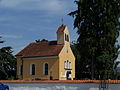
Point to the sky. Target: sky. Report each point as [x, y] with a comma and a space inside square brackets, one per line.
[24, 21]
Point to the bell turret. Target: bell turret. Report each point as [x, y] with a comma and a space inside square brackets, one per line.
[63, 35]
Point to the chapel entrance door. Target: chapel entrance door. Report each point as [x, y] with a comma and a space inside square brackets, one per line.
[68, 75]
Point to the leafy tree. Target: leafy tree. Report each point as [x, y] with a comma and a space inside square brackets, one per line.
[7, 63]
[97, 26]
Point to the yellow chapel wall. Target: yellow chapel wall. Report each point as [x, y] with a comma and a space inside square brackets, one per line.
[66, 54]
[52, 65]
[19, 62]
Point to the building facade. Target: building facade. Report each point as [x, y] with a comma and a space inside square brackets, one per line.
[47, 60]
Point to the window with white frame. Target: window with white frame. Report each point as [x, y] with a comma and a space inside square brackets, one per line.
[70, 65]
[67, 64]
[32, 69]
[45, 69]
[20, 69]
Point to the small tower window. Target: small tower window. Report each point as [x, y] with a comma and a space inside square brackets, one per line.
[67, 38]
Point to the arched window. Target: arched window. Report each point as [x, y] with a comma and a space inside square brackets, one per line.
[45, 68]
[32, 69]
[65, 64]
[70, 65]
[20, 69]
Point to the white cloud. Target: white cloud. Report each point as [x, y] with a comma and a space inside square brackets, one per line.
[45, 5]
[11, 36]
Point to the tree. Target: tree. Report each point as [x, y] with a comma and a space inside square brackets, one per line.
[77, 57]
[97, 26]
[7, 63]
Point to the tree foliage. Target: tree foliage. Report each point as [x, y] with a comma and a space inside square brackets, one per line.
[77, 57]
[7, 63]
[98, 28]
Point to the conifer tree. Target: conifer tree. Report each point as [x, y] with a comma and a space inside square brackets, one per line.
[7, 63]
[97, 25]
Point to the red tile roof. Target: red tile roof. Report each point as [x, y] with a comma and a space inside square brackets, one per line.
[61, 28]
[42, 48]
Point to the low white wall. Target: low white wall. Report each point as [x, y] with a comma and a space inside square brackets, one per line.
[59, 86]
